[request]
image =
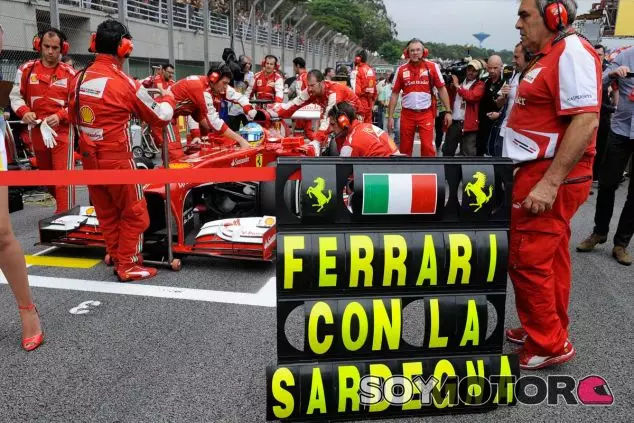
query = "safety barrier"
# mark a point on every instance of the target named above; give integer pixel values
(362, 245)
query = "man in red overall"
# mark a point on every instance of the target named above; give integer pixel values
(301, 88)
(200, 97)
(269, 84)
(551, 136)
(364, 85)
(358, 139)
(325, 94)
(40, 98)
(102, 100)
(416, 79)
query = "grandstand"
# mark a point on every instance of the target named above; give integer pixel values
(149, 22)
(610, 22)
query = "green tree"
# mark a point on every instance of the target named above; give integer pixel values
(391, 51)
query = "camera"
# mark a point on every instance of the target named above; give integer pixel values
(456, 68)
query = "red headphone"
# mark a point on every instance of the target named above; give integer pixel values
(277, 63)
(37, 41)
(214, 77)
(556, 16)
(123, 50)
(342, 119)
(406, 51)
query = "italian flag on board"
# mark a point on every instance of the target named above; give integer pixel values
(399, 193)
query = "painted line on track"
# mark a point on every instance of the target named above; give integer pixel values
(265, 297)
(69, 262)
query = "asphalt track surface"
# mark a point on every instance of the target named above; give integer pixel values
(143, 358)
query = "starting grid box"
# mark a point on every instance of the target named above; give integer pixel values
(398, 269)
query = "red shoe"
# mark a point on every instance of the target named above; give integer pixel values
(29, 344)
(535, 362)
(135, 272)
(516, 336)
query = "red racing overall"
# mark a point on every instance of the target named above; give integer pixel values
(365, 89)
(419, 110)
(367, 140)
(44, 91)
(107, 100)
(564, 81)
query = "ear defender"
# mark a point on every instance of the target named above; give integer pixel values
(425, 52)
(343, 121)
(406, 53)
(556, 16)
(125, 48)
(92, 47)
(37, 43)
(214, 77)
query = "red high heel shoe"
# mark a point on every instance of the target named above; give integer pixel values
(29, 344)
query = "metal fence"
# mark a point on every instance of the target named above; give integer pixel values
(75, 18)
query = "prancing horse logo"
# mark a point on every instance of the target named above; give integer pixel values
(318, 192)
(478, 188)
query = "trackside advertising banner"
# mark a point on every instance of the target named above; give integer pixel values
(391, 288)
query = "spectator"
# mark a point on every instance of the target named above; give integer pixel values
(607, 108)
(508, 93)
(69, 61)
(466, 100)
(620, 149)
(329, 73)
(386, 93)
(489, 110)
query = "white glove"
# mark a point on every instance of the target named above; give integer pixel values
(48, 135)
(196, 140)
(251, 114)
(273, 113)
(316, 146)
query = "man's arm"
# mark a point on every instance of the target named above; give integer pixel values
(444, 97)
(473, 95)
(156, 112)
(279, 89)
(235, 97)
(576, 139)
(392, 106)
(16, 96)
(209, 113)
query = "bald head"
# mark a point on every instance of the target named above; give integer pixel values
(494, 67)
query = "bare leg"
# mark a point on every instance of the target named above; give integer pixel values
(13, 267)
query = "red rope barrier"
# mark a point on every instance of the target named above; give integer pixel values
(123, 177)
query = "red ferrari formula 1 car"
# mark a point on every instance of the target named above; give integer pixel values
(231, 220)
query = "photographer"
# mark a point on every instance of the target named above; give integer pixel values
(236, 113)
(466, 101)
(620, 148)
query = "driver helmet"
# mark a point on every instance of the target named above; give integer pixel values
(253, 133)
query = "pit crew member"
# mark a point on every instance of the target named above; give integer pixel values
(551, 136)
(102, 100)
(269, 84)
(200, 96)
(416, 79)
(324, 94)
(358, 139)
(40, 98)
(364, 84)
